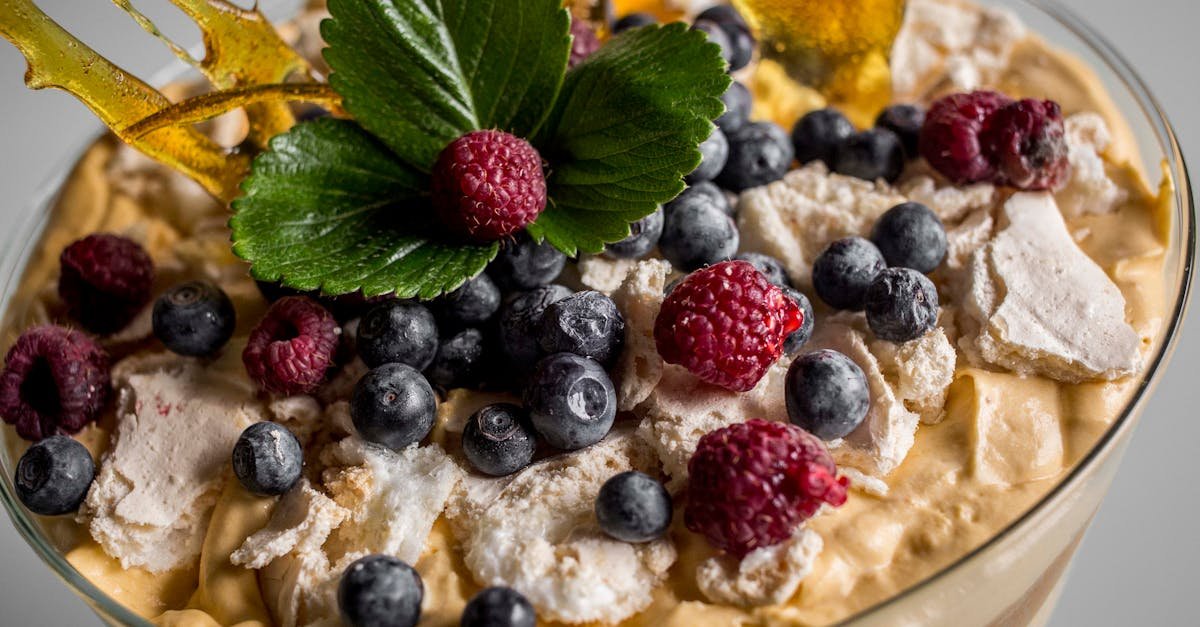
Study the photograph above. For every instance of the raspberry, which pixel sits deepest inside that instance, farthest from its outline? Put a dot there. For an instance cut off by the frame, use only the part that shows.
(950, 140)
(1026, 141)
(583, 42)
(752, 484)
(290, 351)
(105, 281)
(726, 324)
(55, 381)
(488, 185)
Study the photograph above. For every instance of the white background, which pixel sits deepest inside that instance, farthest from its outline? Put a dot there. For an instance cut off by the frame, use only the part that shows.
(1138, 564)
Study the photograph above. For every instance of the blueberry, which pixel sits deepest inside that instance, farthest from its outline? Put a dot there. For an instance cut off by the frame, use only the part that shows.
(643, 237)
(769, 266)
(697, 234)
(499, 439)
(870, 155)
(902, 305)
(393, 405)
(524, 264)
(760, 153)
(571, 401)
(742, 43)
(460, 361)
(818, 134)
(267, 459)
(738, 103)
(714, 152)
(633, 20)
(826, 394)
(716, 34)
(911, 236)
(724, 15)
(54, 475)
(587, 324)
(499, 607)
(906, 122)
(194, 319)
(633, 507)
(472, 304)
(380, 591)
(842, 274)
(801, 336)
(397, 332)
(709, 191)
(521, 323)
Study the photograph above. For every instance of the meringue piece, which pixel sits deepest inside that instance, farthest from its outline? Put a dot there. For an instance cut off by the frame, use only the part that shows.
(1090, 190)
(767, 576)
(1035, 303)
(951, 204)
(604, 274)
(921, 372)
(301, 522)
(536, 532)
(639, 298)
(158, 481)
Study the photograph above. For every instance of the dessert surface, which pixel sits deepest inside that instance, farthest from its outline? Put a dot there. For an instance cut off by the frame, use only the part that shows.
(1049, 304)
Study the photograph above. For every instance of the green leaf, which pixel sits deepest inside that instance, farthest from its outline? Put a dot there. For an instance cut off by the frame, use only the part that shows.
(420, 73)
(329, 207)
(625, 131)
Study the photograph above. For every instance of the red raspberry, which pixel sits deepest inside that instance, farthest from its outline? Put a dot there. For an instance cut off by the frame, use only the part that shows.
(291, 350)
(488, 185)
(1026, 140)
(105, 281)
(752, 484)
(950, 139)
(726, 324)
(583, 43)
(55, 380)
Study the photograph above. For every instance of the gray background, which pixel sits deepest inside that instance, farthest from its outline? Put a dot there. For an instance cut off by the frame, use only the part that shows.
(1138, 564)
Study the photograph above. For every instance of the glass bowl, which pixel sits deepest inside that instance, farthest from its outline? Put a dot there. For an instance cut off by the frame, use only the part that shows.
(1012, 579)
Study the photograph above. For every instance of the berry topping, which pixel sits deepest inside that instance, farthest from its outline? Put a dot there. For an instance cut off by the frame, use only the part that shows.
(726, 324)
(584, 42)
(267, 459)
(54, 475)
(697, 232)
(769, 266)
(752, 484)
(55, 380)
(499, 440)
(393, 405)
(633, 507)
(474, 303)
(801, 336)
(902, 305)
(194, 319)
(587, 324)
(819, 133)
(870, 155)
(714, 152)
(741, 41)
(488, 185)
(1027, 143)
(105, 281)
(292, 348)
(524, 264)
(499, 606)
(633, 20)
(826, 394)
(842, 274)
(398, 332)
(910, 235)
(521, 323)
(643, 237)
(717, 35)
(460, 360)
(759, 153)
(738, 102)
(572, 402)
(906, 122)
(950, 139)
(380, 591)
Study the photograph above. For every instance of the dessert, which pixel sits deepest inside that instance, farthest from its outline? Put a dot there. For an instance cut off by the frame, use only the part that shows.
(810, 356)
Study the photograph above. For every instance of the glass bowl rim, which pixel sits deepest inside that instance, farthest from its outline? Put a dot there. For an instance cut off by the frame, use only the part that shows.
(19, 240)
